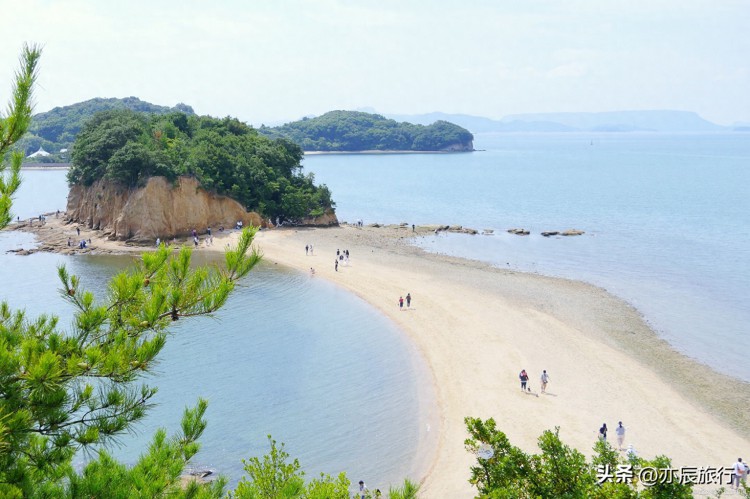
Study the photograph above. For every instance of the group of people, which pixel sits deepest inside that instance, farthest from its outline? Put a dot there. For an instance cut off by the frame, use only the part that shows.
(82, 244)
(524, 377)
(343, 257)
(401, 301)
(208, 240)
(309, 249)
(619, 431)
(362, 492)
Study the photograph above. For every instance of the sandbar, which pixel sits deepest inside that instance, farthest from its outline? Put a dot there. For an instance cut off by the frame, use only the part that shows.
(477, 326)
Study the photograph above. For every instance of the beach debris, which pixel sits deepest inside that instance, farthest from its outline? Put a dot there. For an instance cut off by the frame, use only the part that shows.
(572, 232)
(550, 233)
(519, 232)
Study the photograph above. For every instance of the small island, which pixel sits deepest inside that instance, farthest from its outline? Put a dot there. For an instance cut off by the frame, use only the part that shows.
(51, 134)
(139, 177)
(354, 131)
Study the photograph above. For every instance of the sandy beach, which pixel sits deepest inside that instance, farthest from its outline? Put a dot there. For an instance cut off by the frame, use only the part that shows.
(477, 326)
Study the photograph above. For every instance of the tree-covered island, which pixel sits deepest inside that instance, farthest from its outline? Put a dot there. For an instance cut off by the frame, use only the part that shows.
(225, 155)
(55, 131)
(354, 131)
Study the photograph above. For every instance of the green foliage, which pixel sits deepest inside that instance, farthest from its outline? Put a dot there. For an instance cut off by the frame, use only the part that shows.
(12, 127)
(407, 491)
(155, 474)
(225, 155)
(559, 471)
(357, 131)
(274, 477)
(67, 390)
(57, 129)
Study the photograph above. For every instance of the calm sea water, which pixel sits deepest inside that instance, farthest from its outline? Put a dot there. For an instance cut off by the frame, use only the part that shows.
(289, 355)
(666, 229)
(666, 219)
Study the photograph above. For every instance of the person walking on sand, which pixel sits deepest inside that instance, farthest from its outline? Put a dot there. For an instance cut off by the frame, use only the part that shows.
(362, 492)
(524, 379)
(336, 265)
(620, 432)
(78, 231)
(739, 473)
(307, 248)
(544, 380)
(603, 432)
(408, 300)
(401, 302)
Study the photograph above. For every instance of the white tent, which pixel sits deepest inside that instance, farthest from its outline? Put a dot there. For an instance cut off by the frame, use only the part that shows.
(40, 152)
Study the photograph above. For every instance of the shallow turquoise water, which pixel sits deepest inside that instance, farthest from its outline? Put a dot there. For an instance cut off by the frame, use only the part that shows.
(289, 355)
(665, 219)
(666, 229)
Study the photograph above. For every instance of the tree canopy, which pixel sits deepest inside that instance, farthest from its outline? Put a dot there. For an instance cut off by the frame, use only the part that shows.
(358, 131)
(225, 155)
(56, 129)
(502, 470)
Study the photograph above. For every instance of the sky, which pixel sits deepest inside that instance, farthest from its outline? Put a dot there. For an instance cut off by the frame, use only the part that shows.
(272, 61)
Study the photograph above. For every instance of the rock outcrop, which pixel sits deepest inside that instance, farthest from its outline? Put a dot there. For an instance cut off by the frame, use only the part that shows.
(159, 209)
(326, 219)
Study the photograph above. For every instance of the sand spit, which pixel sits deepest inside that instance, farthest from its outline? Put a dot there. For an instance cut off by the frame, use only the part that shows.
(477, 326)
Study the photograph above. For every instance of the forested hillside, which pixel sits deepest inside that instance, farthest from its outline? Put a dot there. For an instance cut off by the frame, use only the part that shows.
(225, 155)
(57, 129)
(358, 131)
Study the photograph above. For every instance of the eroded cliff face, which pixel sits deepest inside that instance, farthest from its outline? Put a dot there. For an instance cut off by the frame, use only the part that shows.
(460, 147)
(160, 209)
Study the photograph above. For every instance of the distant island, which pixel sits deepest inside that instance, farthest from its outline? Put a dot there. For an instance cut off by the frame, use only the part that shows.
(354, 131)
(52, 133)
(615, 121)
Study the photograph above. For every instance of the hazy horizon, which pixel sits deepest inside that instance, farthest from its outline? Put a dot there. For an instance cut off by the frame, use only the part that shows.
(277, 62)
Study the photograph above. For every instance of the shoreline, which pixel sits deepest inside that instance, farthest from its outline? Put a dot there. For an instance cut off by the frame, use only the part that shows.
(375, 151)
(476, 326)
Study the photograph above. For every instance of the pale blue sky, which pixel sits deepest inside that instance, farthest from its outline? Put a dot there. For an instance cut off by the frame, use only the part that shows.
(275, 60)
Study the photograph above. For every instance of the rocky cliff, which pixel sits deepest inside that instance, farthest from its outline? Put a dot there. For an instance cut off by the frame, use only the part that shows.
(160, 209)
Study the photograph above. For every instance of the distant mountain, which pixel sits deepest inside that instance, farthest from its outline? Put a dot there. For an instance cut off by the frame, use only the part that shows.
(618, 121)
(56, 130)
(357, 131)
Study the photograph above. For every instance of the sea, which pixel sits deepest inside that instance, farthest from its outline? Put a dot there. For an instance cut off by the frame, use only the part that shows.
(666, 228)
(289, 356)
(666, 219)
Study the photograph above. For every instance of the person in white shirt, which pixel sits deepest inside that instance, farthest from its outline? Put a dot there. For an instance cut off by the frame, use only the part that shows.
(739, 473)
(620, 431)
(545, 380)
(362, 489)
